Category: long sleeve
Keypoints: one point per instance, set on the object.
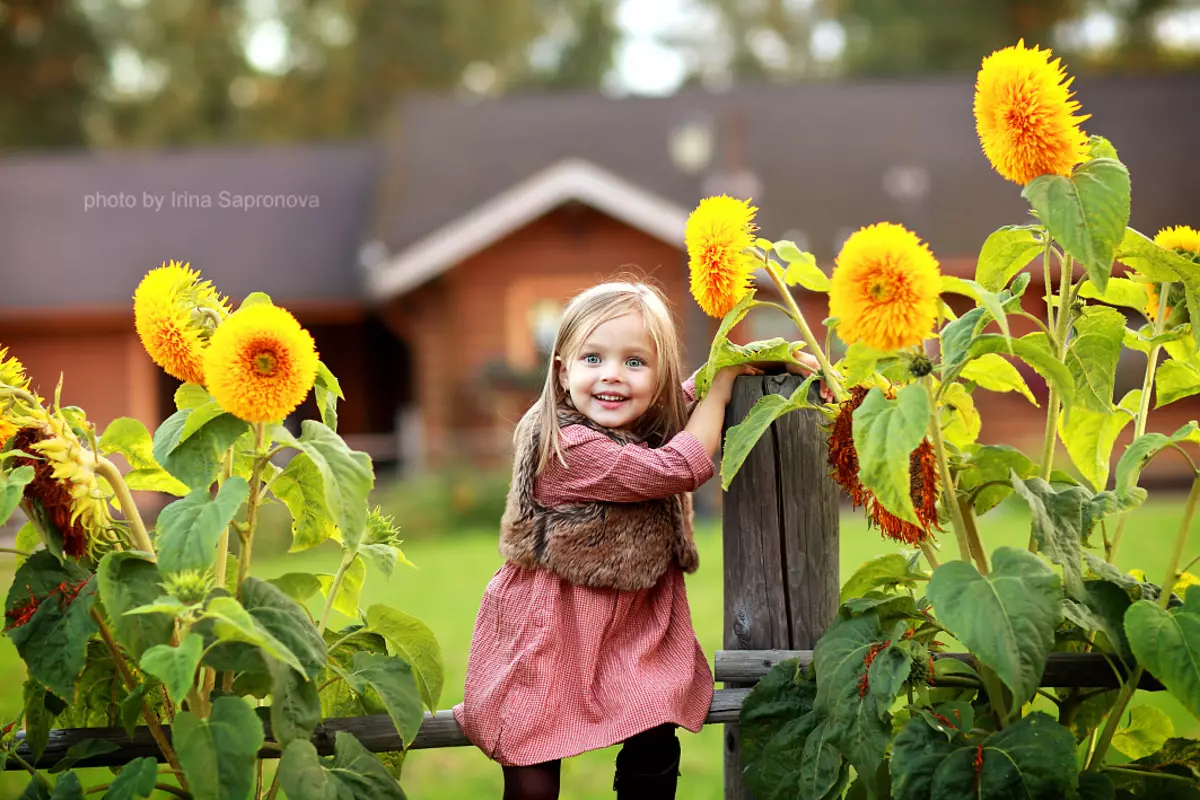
(600, 469)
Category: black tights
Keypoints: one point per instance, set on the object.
(649, 752)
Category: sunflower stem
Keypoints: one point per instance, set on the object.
(141, 539)
(1058, 347)
(210, 674)
(156, 729)
(252, 502)
(348, 558)
(973, 536)
(832, 379)
(1139, 422)
(930, 555)
(948, 498)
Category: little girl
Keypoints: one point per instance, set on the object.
(584, 637)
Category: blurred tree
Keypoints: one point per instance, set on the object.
(784, 39)
(187, 71)
(49, 62)
(582, 40)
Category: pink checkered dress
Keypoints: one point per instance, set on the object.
(557, 669)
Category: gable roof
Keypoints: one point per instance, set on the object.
(60, 246)
(568, 180)
(823, 154)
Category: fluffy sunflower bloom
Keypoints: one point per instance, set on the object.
(885, 288)
(65, 490)
(1024, 115)
(175, 313)
(260, 364)
(717, 235)
(12, 374)
(1184, 241)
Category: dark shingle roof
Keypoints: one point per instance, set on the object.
(820, 151)
(58, 249)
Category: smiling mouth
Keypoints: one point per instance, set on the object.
(610, 398)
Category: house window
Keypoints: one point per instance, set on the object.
(533, 309)
(544, 316)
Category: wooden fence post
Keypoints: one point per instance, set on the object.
(780, 531)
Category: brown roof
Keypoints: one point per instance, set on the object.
(820, 151)
(60, 246)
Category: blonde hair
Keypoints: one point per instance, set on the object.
(587, 311)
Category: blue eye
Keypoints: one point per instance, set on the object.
(635, 362)
(591, 358)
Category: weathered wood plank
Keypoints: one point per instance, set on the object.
(809, 510)
(755, 605)
(376, 732)
(1063, 670)
(780, 572)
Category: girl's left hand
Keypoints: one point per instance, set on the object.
(808, 365)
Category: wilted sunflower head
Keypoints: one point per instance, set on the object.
(1182, 240)
(65, 487)
(260, 364)
(885, 288)
(1025, 117)
(718, 234)
(175, 313)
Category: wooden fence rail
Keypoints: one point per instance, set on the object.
(780, 540)
(378, 734)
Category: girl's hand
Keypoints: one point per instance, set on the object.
(722, 385)
(809, 365)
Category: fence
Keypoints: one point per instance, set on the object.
(780, 531)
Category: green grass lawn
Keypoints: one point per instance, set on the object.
(445, 589)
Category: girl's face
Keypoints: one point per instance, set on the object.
(613, 377)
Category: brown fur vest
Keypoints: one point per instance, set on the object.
(624, 546)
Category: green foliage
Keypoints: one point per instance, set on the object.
(129, 581)
(218, 754)
(351, 772)
(188, 529)
(885, 432)
(1085, 213)
(347, 476)
(12, 488)
(1006, 618)
(196, 460)
(1034, 758)
(52, 642)
(411, 639)
(174, 666)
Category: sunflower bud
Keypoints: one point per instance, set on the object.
(920, 366)
(381, 529)
(189, 586)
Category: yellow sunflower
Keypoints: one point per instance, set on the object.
(885, 288)
(12, 374)
(1183, 240)
(174, 313)
(1025, 117)
(717, 234)
(1152, 298)
(260, 364)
